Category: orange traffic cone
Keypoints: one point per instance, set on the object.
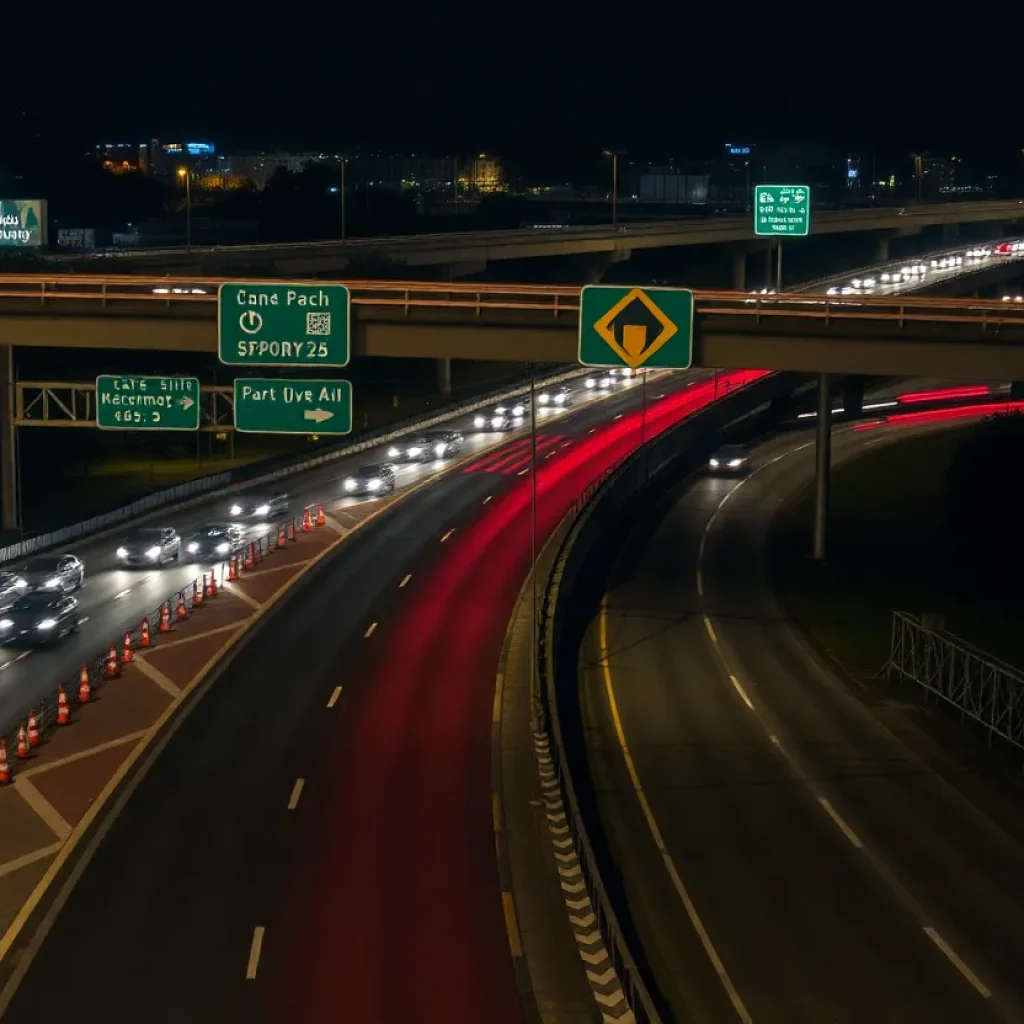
(83, 686)
(5, 769)
(33, 729)
(307, 521)
(197, 593)
(164, 627)
(182, 613)
(113, 669)
(291, 529)
(233, 568)
(63, 708)
(250, 556)
(211, 587)
(23, 749)
(126, 654)
(321, 519)
(282, 537)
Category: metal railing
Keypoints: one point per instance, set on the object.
(555, 301)
(579, 535)
(183, 495)
(982, 688)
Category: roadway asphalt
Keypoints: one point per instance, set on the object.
(114, 599)
(379, 891)
(836, 875)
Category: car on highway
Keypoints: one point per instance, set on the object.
(424, 447)
(730, 458)
(600, 382)
(214, 540)
(259, 507)
(445, 444)
(555, 398)
(517, 408)
(378, 478)
(149, 545)
(39, 618)
(498, 421)
(12, 586)
(1002, 249)
(55, 573)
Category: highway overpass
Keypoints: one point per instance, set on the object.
(469, 252)
(903, 334)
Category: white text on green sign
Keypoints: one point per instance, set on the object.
(782, 209)
(264, 406)
(261, 324)
(147, 403)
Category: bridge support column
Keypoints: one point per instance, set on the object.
(1016, 390)
(950, 234)
(853, 397)
(595, 265)
(823, 462)
(739, 271)
(882, 249)
(8, 452)
(444, 377)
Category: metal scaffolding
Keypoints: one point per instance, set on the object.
(50, 403)
(981, 687)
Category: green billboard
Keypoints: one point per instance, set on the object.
(22, 223)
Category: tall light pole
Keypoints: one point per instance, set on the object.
(186, 174)
(614, 154)
(919, 174)
(343, 162)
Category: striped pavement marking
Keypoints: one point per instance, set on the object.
(512, 458)
(601, 974)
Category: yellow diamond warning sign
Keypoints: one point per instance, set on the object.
(637, 327)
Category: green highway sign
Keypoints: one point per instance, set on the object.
(639, 327)
(283, 324)
(782, 210)
(147, 403)
(293, 406)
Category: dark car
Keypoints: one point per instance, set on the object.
(149, 545)
(55, 573)
(375, 479)
(39, 618)
(444, 444)
(259, 507)
(731, 458)
(419, 448)
(214, 540)
(555, 398)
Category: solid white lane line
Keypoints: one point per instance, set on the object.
(254, 953)
(408, 577)
(333, 699)
(843, 827)
(124, 593)
(293, 800)
(370, 631)
(448, 534)
(487, 499)
(955, 960)
(710, 629)
(742, 692)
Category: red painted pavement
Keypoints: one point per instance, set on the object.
(394, 913)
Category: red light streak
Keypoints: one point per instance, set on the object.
(959, 412)
(965, 391)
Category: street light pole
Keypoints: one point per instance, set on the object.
(186, 174)
(343, 162)
(615, 189)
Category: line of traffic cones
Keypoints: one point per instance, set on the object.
(307, 520)
(126, 653)
(197, 594)
(211, 587)
(321, 519)
(113, 668)
(233, 574)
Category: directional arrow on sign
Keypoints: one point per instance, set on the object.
(187, 403)
(318, 415)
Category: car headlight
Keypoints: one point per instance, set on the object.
(590, 382)
(153, 552)
(236, 510)
(20, 583)
(393, 452)
(53, 581)
(47, 624)
(544, 399)
(6, 623)
(374, 485)
(733, 463)
(223, 548)
(262, 510)
(351, 484)
(713, 463)
(560, 399)
(479, 421)
(500, 410)
(496, 422)
(122, 552)
(518, 410)
(193, 547)
(415, 451)
(440, 449)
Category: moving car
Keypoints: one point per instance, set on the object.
(555, 398)
(498, 421)
(214, 540)
(444, 443)
(427, 446)
(731, 458)
(375, 479)
(517, 408)
(1002, 249)
(260, 507)
(55, 573)
(12, 586)
(149, 545)
(602, 382)
(39, 618)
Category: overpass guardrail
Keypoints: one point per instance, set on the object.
(565, 611)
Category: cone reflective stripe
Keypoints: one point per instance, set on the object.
(321, 519)
(282, 537)
(233, 568)
(83, 686)
(5, 769)
(250, 555)
(211, 587)
(291, 529)
(113, 669)
(182, 613)
(197, 593)
(33, 729)
(63, 709)
(126, 654)
(23, 748)
(307, 521)
(164, 627)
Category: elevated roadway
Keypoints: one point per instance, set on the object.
(474, 249)
(837, 872)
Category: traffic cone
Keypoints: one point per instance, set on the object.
(282, 537)
(307, 521)
(182, 613)
(321, 519)
(22, 750)
(197, 593)
(233, 569)
(126, 654)
(33, 730)
(113, 669)
(5, 769)
(84, 691)
(250, 556)
(63, 708)
(211, 587)
(291, 529)
(164, 627)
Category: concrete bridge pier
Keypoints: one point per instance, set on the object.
(823, 468)
(596, 265)
(444, 376)
(8, 451)
(465, 268)
(853, 396)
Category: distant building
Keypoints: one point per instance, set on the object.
(482, 174)
(666, 185)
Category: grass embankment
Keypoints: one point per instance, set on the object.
(915, 527)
